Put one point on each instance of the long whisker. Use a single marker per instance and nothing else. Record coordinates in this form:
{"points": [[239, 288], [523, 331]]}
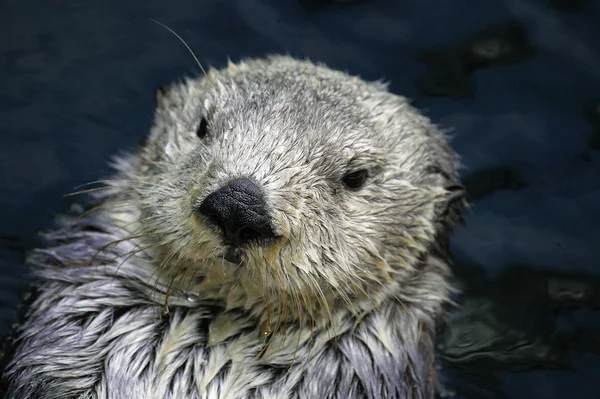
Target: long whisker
{"points": [[182, 41], [187, 288], [131, 254], [167, 258], [89, 183], [113, 243], [89, 190], [168, 293], [299, 332], [157, 270]]}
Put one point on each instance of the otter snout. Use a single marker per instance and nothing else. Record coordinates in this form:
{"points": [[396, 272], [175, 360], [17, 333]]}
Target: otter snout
{"points": [[238, 210]]}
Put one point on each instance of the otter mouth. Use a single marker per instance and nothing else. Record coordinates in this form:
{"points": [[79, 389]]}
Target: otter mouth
{"points": [[233, 255]]}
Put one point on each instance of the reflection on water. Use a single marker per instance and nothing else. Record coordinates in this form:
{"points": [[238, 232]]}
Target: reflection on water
{"points": [[451, 68], [520, 321]]}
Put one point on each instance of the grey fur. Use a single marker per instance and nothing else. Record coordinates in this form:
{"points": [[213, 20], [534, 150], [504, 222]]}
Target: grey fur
{"points": [[344, 305]]}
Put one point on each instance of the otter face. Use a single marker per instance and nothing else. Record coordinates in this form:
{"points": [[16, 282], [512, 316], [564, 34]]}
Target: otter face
{"points": [[295, 181]]}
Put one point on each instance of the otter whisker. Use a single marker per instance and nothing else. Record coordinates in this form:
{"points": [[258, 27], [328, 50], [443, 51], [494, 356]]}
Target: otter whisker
{"points": [[311, 324], [299, 332], [113, 183], [285, 317], [159, 269], [191, 279], [350, 306], [112, 244], [87, 212], [320, 295], [276, 330], [166, 304], [168, 293], [89, 183], [114, 205], [223, 264], [182, 41], [267, 333], [87, 191], [148, 219], [279, 294], [130, 254]]}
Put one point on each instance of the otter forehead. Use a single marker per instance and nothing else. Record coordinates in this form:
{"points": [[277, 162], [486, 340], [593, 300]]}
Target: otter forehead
{"points": [[275, 96], [295, 112]]}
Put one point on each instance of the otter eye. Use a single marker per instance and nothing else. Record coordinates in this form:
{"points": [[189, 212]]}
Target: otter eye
{"points": [[356, 179], [202, 129]]}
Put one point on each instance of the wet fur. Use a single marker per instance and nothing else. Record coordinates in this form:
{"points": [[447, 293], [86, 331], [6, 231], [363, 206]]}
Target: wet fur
{"points": [[137, 301]]}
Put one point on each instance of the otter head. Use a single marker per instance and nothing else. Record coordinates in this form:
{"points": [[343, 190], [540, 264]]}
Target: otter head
{"points": [[295, 185]]}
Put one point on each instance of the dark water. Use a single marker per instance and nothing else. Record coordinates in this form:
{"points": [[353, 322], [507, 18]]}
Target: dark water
{"points": [[77, 81]]}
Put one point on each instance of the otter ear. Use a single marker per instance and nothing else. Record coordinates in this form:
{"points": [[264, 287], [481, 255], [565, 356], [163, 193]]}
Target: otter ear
{"points": [[456, 196], [161, 93], [457, 192], [381, 84]]}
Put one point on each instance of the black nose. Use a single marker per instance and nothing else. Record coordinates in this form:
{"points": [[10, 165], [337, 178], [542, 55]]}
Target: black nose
{"points": [[238, 208]]}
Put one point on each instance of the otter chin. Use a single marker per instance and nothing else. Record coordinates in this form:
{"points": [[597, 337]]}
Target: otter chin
{"points": [[282, 232]]}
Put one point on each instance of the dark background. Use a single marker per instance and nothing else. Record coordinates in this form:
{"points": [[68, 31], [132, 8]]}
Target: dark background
{"points": [[77, 81]]}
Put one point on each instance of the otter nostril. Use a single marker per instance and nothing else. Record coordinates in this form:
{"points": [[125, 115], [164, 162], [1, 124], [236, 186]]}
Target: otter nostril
{"points": [[248, 234], [238, 209]]}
